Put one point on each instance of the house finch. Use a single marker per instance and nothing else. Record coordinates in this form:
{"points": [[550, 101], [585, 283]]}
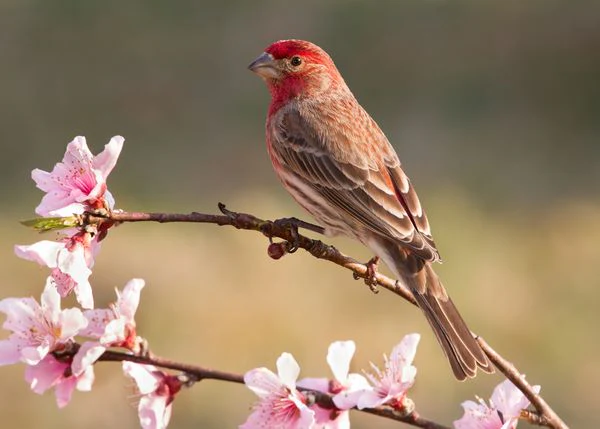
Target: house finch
{"points": [[337, 164]]}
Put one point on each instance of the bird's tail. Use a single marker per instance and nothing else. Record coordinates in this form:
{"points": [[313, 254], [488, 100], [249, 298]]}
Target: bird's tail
{"points": [[461, 349]]}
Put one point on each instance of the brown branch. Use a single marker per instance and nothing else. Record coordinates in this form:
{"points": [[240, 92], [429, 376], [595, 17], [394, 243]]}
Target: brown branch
{"points": [[287, 231], [413, 418], [282, 230], [199, 373]]}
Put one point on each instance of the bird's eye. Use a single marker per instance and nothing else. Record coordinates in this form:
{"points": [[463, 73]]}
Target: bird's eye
{"points": [[296, 61]]}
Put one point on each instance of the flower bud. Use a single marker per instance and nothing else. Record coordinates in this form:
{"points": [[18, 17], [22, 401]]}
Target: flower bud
{"points": [[276, 250]]}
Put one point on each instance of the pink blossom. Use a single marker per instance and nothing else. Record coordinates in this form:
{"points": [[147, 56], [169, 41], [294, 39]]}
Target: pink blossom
{"points": [[390, 386], [503, 412], [158, 389], [75, 185], [78, 183], [64, 377], [281, 405], [70, 260], [37, 329], [115, 326], [346, 388]]}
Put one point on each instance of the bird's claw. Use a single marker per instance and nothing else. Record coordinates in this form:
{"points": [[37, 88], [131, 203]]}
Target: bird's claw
{"points": [[370, 277], [291, 224]]}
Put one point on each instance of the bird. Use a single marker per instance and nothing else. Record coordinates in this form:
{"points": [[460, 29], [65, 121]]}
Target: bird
{"points": [[337, 163]]}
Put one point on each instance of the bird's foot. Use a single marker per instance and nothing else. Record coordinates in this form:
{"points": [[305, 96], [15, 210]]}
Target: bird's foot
{"points": [[277, 250], [289, 225], [370, 276], [299, 223], [292, 224]]}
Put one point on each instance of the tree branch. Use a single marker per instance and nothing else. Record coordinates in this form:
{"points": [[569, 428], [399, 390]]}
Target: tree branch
{"points": [[287, 230], [198, 373], [413, 418], [282, 230]]}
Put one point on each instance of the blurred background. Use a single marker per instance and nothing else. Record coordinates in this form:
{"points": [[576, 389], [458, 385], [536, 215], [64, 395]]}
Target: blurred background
{"points": [[494, 108]]}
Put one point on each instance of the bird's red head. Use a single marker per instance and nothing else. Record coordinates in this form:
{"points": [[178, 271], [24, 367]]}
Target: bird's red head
{"points": [[296, 68], [307, 52]]}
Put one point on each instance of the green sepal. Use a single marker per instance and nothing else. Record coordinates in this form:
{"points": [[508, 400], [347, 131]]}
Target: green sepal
{"points": [[44, 224]]}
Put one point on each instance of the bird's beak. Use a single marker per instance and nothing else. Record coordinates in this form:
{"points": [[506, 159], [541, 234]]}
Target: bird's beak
{"points": [[265, 66]]}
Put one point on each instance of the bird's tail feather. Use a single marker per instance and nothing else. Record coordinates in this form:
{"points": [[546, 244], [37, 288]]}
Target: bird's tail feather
{"points": [[459, 345]]}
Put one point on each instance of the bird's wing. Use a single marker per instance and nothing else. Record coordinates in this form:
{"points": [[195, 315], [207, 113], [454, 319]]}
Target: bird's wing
{"points": [[366, 182]]}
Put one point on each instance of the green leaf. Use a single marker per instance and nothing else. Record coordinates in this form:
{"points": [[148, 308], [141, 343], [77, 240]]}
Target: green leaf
{"points": [[44, 224]]}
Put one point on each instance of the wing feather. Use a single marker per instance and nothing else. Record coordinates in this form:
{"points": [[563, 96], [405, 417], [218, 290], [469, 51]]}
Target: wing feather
{"points": [[374, 192]]}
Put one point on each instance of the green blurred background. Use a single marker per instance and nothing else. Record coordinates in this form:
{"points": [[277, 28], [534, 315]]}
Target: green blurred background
{"points": [[494, 108]]}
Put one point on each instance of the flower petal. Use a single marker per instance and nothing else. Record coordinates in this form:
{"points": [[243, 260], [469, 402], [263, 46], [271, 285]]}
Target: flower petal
{"points": [[97, 321], [10, 352], [114, 332], [50, 302], [43, 252], [19, 311], [106, 160], [288, 370], [349, 397], [45, 374], [319, 384], [84, 294], [34, 354], [262, 381], [85, 380], [86, 356], [71, 322], [339, 355], [109, 199], [143, 375], [406, 350], [371, 399], [154, 412], [129, 299], [276, 411], [64, 391], [306, 420], [509, 399], [330, 419], [73, 263]]}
